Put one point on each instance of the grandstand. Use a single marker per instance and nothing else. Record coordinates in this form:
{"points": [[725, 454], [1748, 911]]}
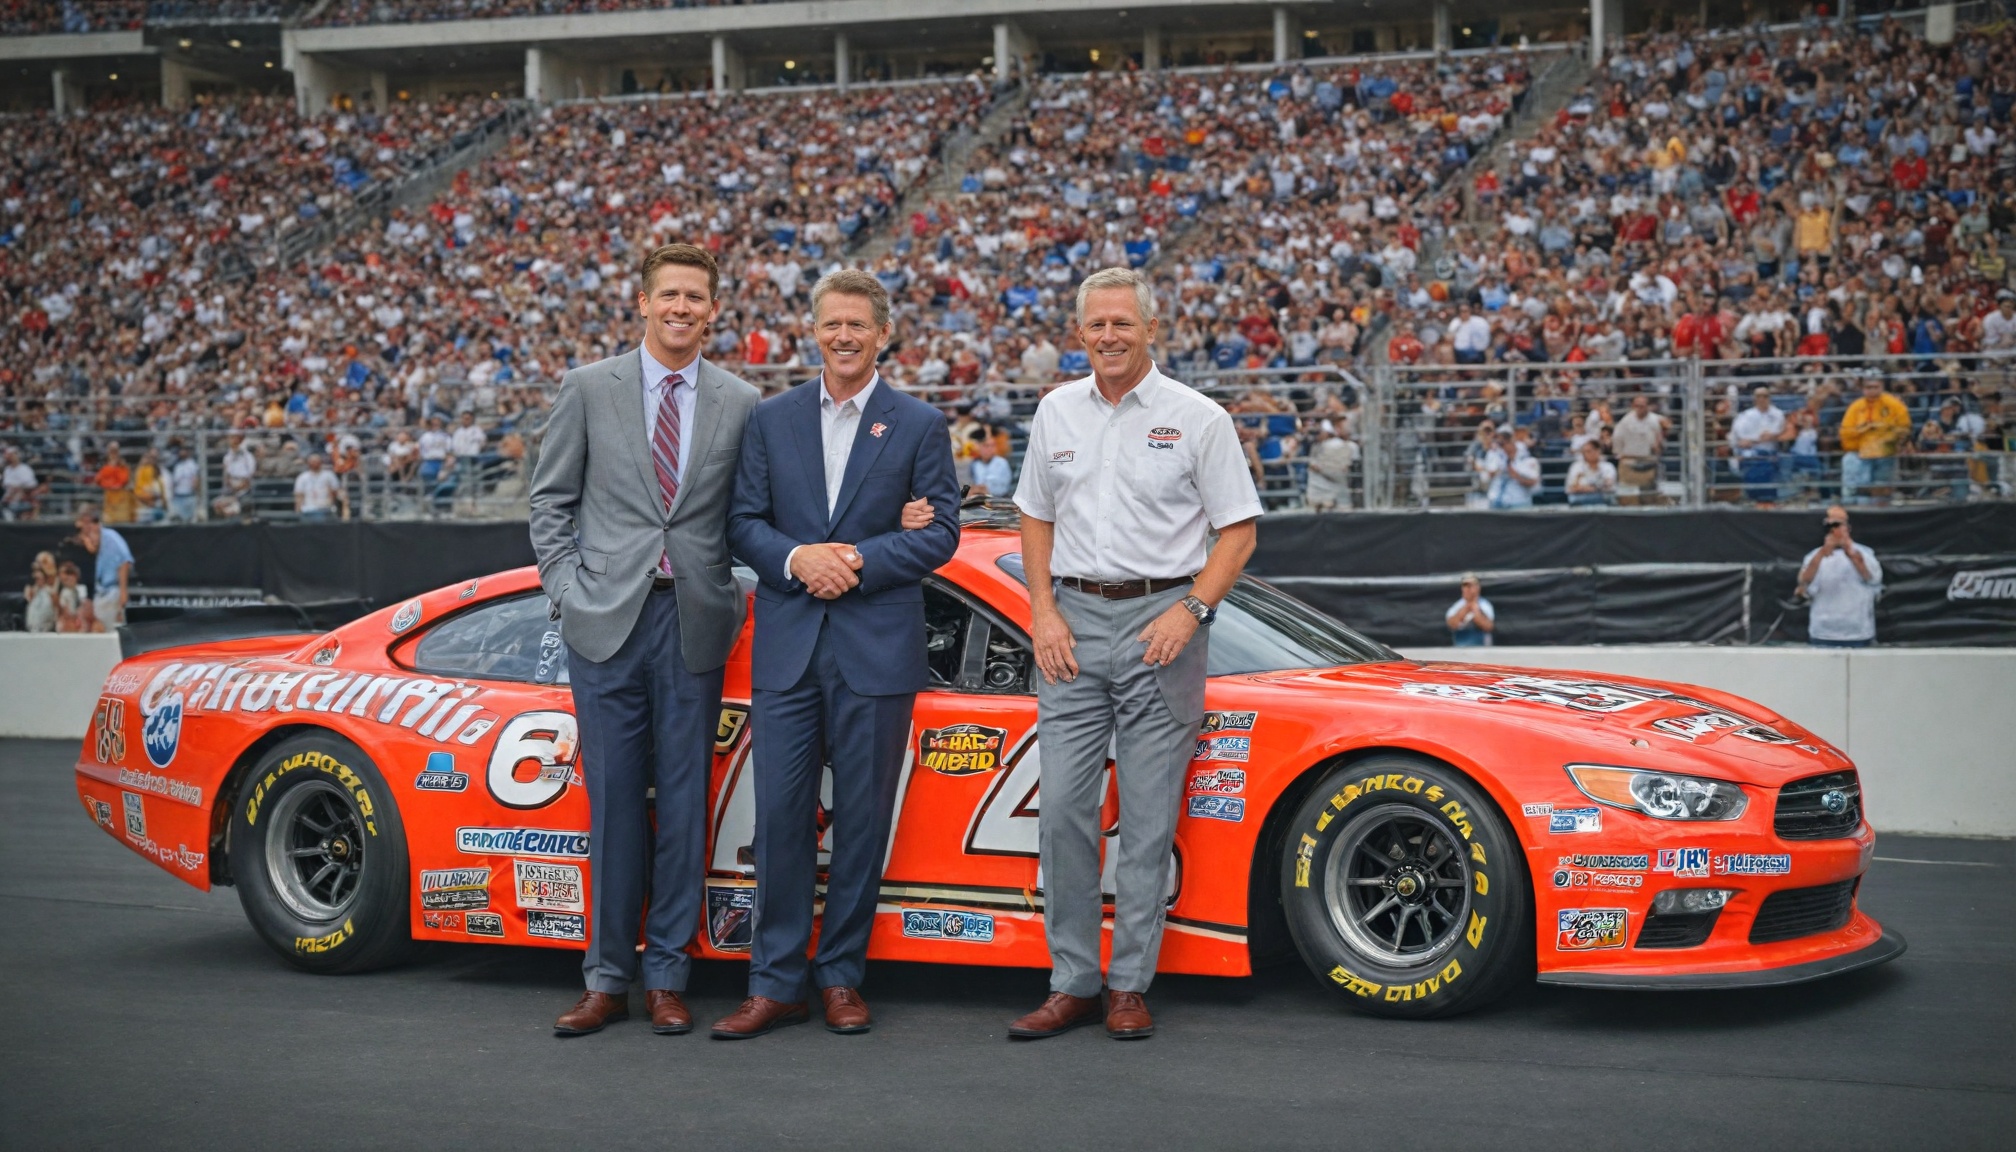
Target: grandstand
{"points": [[1366, 252]]}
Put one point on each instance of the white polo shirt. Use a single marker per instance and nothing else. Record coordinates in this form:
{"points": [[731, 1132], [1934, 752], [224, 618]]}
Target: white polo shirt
{"points": [[1134, 488]]}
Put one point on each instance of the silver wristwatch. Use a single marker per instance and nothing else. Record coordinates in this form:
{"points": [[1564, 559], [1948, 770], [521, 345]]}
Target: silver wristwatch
{"points": [[1204, 613]]}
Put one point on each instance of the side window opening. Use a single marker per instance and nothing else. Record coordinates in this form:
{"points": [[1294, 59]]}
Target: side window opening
{"points": [[505, 640]]}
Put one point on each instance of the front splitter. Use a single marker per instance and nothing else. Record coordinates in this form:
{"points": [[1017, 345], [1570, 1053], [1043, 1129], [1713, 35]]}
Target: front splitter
{"points": [[1888, 948]]}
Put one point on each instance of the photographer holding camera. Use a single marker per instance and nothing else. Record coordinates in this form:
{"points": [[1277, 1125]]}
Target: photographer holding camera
{"points": [[1843, 579]]}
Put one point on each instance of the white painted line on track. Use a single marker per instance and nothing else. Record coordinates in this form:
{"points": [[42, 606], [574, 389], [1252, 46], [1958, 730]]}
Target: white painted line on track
{"points": [[1954, 863]]}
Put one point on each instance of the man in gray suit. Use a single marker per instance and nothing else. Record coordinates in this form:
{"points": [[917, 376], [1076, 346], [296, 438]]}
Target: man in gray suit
{"points": [[629, 521]]}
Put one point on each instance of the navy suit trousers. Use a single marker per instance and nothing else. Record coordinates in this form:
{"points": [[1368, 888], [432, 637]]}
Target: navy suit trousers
{"points": [[645, 721], [796, 732]]}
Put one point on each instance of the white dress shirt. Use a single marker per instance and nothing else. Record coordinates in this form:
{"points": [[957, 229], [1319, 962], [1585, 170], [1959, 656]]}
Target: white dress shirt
{"points": [[1755, 431], [1134, 488], [839, 424], [1844, 603]]}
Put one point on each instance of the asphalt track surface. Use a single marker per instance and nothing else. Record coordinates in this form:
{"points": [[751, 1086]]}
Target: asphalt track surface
{"points": [[141, 1013]]}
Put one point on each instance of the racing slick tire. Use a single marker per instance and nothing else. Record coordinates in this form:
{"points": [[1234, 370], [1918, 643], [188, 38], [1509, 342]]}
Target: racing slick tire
{"points": [[319, 856], [1405, 890]]}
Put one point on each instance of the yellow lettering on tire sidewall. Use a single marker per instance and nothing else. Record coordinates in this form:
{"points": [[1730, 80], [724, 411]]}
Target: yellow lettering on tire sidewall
{"points": [[345, 777]]}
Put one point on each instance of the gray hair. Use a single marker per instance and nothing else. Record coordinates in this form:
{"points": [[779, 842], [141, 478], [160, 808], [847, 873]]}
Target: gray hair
{"points": [[1144, 293], [854, 282]]}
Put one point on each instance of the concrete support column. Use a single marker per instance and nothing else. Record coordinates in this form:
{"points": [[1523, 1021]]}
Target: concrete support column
{"points": [[1151, 49], [67, 91], [1284, 35], [728, 71], [314, 83], [1443, 40], [843, 64], [1011, 44], [1597, 31], [1386, 38], [381, 91], [174, 83]]}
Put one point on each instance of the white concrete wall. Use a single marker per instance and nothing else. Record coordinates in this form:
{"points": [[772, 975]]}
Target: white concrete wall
{"points": [[49, 683], [1924, 726]]}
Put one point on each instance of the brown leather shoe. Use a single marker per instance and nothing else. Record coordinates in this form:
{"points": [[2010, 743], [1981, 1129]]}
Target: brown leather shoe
{"points": [[757, 1015], [1060, 1013], [845, 1011], [591, 1013], [1127, 1016], [669, 1016]]}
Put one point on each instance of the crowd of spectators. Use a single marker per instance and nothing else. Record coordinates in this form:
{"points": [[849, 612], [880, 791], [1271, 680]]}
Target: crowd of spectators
{"points": [[342, 12], [1773, 206], [48, 17]]}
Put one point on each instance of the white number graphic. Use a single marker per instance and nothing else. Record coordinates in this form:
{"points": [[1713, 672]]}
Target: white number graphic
{"points": [[549, 740]]}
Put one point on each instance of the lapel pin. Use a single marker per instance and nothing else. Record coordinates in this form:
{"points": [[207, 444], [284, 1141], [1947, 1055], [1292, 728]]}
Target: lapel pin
{"points": [[877, 430]]}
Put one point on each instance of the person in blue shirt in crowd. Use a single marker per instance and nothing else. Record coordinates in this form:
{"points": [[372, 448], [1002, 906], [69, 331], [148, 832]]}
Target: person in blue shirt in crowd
{"points": [[1471, 619], [114, 569]]}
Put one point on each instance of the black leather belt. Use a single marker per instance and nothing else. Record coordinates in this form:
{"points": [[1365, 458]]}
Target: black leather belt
{"points": [[1124, 589], [661, 584]]}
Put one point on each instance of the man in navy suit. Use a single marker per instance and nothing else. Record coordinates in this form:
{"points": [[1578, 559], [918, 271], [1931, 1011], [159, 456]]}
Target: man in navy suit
{"points": [[839, 652]]}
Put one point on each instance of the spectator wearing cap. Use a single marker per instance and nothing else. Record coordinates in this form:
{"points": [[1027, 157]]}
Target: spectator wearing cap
{"points": [[1471, 619], [1873, 430]]}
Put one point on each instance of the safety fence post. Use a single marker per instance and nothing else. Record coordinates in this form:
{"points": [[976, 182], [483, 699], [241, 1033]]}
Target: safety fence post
{"points": [[1693, 436]]}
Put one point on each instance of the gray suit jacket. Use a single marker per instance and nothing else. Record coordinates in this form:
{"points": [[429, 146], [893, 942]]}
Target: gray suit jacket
{"points": [[599, 523]]}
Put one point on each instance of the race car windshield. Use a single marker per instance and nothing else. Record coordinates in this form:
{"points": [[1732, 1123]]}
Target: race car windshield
{"points": [[1262, 629]]}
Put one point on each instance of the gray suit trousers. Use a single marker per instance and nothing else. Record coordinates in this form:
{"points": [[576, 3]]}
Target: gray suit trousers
{"points": [[1150, 717]]}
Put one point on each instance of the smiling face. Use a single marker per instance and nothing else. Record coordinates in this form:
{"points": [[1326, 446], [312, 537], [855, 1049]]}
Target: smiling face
{"points": [[849, 340], [677, 307], [1116, 337]]}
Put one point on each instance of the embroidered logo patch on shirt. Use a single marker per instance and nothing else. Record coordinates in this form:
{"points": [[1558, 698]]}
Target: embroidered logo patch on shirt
{"points": [[1064, 457], [1164, 437]]}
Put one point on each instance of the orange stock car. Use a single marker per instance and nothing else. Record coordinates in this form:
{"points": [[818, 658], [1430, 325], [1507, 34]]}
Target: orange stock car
{"points": [[1425, 835]]}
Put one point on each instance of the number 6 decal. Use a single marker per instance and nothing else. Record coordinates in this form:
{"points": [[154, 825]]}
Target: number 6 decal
{"points": [[533, 760]]}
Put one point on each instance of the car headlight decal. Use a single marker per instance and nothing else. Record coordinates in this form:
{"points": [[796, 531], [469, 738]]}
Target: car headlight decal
{"points": [[1660, 795]]}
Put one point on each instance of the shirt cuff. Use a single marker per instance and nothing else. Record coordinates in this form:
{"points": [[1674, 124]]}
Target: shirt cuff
{"points": [[789, 579]]}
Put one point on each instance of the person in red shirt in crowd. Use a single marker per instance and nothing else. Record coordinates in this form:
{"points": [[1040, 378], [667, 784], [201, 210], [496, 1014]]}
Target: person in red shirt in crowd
{"points": [[1405, 347], [1744, 204], [1908, 171]]}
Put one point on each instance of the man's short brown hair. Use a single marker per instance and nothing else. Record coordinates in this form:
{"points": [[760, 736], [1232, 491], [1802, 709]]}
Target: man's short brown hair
{"points": [[691, 255], [854, 282]]}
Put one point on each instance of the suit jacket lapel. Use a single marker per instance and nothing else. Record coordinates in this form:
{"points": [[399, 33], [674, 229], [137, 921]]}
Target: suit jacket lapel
{"points": [[867, 446], [809, 440], [707, 389], [626, 407]]}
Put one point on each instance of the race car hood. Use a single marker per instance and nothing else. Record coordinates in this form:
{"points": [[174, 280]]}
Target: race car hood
{"points": [[1755, 744]]}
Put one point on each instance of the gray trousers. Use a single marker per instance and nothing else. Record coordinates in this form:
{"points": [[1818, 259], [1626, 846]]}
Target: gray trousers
{"points": [[1150, 717]]}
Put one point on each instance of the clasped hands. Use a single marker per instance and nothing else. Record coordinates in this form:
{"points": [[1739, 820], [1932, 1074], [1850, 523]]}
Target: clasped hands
{"points": [[829, 570]]}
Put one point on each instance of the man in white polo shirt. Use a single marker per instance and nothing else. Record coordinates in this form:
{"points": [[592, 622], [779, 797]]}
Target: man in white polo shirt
{"points": [[1126, 476]]}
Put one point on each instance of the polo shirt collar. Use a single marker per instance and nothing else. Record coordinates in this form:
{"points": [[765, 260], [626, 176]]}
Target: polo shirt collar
{"points": [[1142, 393]]}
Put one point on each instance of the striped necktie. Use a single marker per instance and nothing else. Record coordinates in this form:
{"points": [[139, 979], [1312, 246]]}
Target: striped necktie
{"points": [[665, 451]]}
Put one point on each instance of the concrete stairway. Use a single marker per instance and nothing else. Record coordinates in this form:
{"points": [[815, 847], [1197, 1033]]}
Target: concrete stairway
{"points": [[943, 183]]}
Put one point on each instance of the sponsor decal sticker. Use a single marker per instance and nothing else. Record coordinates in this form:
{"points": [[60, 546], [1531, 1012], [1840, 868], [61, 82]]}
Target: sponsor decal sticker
{"points": [[1217, 808], [458, 888], [941, 924], [483, 924], [442, 710], [161, 732], [1568, 820], [961, 749], [406, 617], [108, 730], [556, 925], [1218, 782], [1538, 809], [161, 786], [125, 682], [1165, 437], [136, 816], [1620, 862], [1581, 695], [731, 916], [326, 655], [1692, 728], [1685, 863], [100, 812], [440, 774], [469, 591], [1573, 878], [1235, 748], [1753, 864], [442, 921], [556, 887], [552, 843], [729, 728], [1587, 929], [533, 760], [1229, 722]]}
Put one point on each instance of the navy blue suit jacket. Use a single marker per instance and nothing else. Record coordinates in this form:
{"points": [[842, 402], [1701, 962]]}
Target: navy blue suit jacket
{"points": [[780, 503]]}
